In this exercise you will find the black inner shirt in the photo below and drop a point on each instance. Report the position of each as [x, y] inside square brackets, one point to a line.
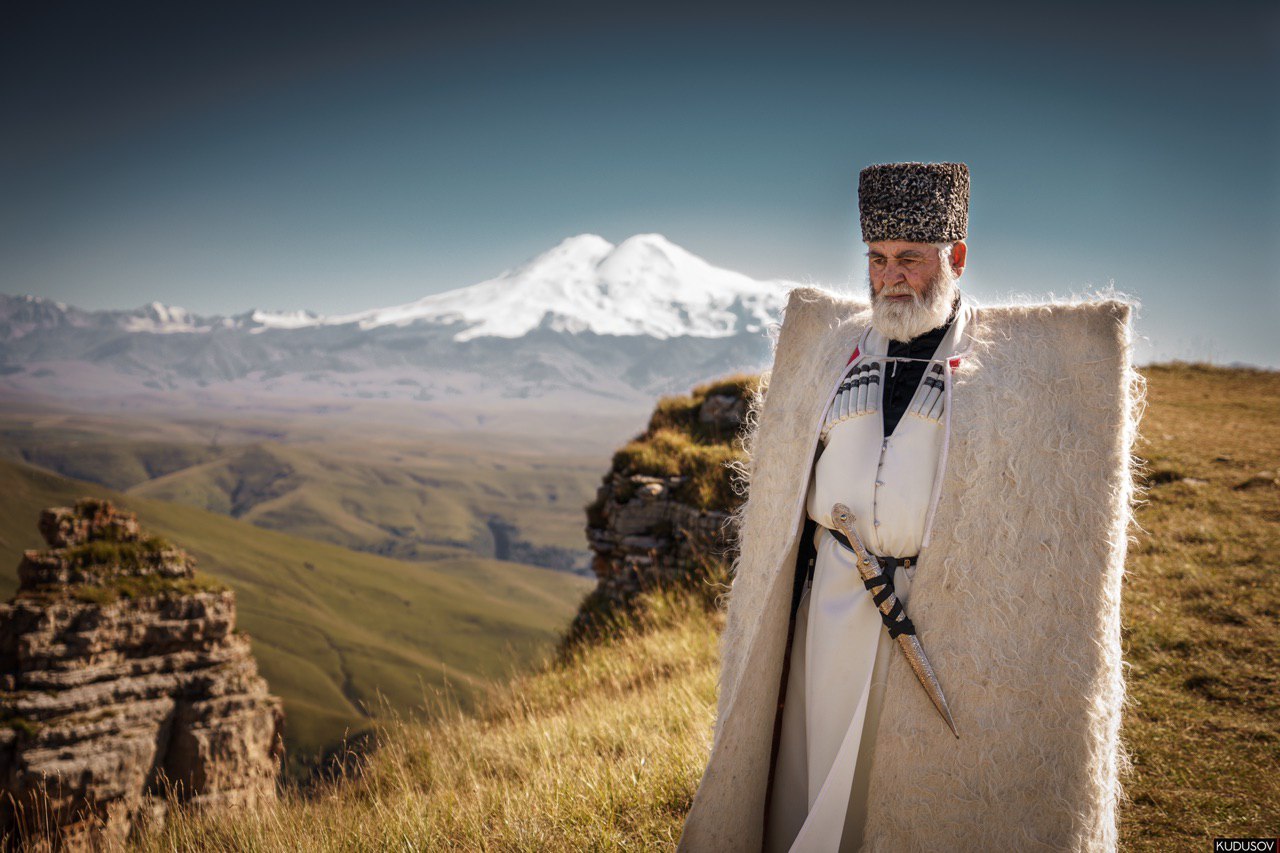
[902, 377]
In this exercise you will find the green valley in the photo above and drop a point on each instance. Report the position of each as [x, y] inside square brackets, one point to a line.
[344, 637]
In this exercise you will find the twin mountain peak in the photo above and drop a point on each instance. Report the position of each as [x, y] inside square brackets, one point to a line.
[645, 285]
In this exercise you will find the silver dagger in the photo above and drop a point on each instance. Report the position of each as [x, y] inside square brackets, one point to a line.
[874, 578]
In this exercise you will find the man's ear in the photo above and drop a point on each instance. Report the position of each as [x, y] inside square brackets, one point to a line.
[959, 252]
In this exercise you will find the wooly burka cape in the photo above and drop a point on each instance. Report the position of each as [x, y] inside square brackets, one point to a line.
[1016, 596]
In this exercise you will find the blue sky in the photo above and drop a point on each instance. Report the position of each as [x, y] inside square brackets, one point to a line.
[331, 157]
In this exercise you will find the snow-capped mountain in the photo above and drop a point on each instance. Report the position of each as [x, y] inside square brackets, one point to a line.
[161, 319]
[640, 317]
[646, 285]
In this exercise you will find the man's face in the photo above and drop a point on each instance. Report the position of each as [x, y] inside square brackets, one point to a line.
[901, 268]
[911, 289]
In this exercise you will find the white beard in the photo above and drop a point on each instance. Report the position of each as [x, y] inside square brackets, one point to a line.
[902, 321]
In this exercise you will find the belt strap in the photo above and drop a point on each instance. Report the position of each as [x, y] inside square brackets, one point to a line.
[881, 588]
[889, 564]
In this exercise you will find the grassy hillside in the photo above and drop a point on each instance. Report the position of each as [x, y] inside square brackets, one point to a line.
[334, 630]
[604, 751]
[600, 753]
[373, 486]
[415, 503]
[1201, 607]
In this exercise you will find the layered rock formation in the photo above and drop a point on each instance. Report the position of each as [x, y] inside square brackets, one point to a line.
[649, 537]
[662, 514]
[122, 680]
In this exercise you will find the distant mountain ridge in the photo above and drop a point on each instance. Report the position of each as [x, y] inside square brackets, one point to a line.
[646, 285]
[621, 321]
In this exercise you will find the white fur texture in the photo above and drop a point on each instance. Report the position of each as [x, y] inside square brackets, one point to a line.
[1017, 597]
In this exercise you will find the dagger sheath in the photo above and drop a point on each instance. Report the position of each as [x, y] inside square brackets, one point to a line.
[911, 647]
[894, 615]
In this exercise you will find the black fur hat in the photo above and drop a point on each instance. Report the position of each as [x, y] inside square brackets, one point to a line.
[918, 202]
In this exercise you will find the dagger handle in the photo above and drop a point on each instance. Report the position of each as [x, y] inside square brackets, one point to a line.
[869, 568]
[843, 518]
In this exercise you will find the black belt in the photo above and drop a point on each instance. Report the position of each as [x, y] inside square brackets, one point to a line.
[889, 564]
[881, 587]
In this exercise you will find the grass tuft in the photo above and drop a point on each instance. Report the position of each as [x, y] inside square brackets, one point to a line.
[677, 444]
[123, 554]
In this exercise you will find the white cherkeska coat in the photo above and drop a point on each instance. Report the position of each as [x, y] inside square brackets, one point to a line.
[1016, 597]
[840, 653]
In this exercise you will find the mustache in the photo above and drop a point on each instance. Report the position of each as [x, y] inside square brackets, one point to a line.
[904, 290]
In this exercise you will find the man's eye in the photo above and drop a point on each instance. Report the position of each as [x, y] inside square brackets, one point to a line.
[910, 261]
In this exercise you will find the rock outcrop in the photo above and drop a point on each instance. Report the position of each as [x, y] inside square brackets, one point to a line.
[662, 515]
[649, 537]
[123, 680]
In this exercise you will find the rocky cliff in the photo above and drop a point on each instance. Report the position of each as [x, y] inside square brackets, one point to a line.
[123, 678]
[662, 515]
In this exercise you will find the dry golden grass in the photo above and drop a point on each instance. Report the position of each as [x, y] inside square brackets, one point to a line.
[604, 750]
[1201, 609]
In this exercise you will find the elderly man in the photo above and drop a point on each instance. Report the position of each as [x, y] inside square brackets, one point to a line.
[825, 738]
[880, 443]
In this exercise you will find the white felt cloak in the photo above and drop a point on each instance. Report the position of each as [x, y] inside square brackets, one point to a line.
[1016, 596]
